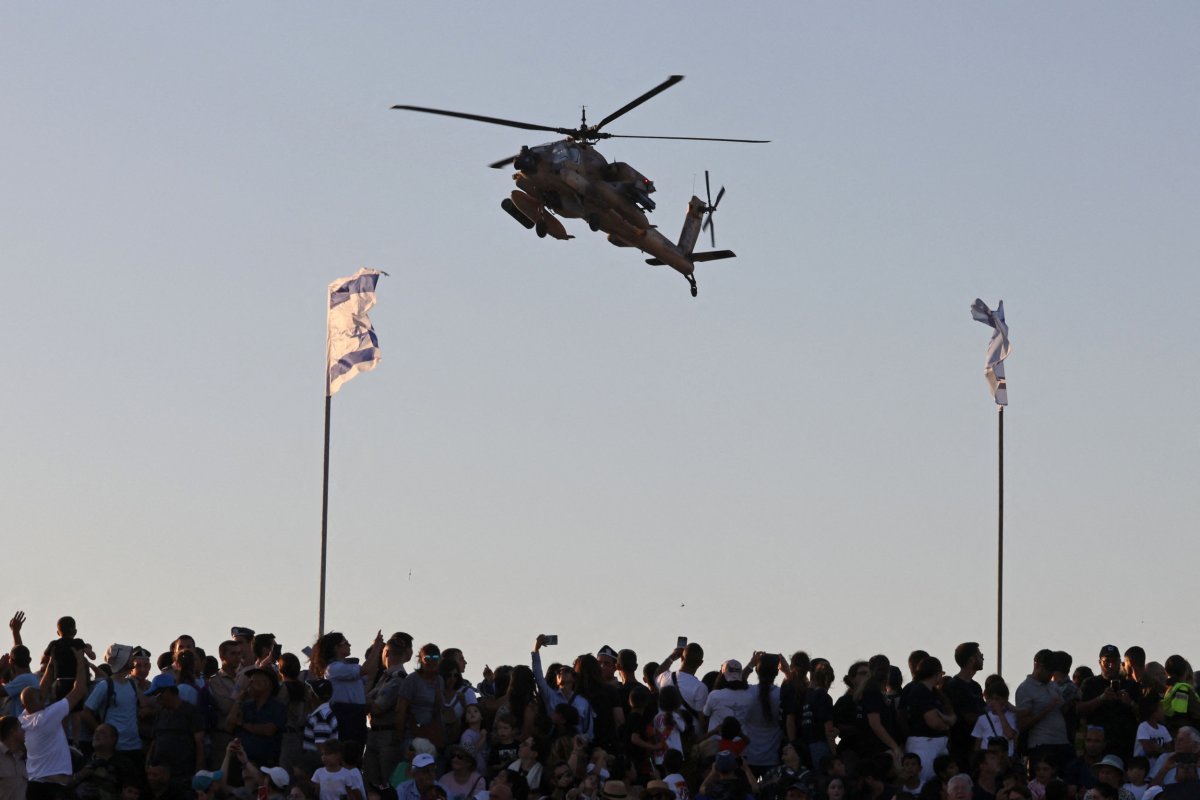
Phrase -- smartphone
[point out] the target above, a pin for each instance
(681, 641)
(276, 651)
(551, 638)
(1116, 685)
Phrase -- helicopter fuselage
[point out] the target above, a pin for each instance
(574, 180)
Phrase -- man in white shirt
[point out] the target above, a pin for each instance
(48, 754)
(691, 689)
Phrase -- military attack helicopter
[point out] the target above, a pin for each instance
(569, 178)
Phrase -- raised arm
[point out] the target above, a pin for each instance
(371, 668)
(665, 666)
(79, 690)
(535, 663)
(14, 625)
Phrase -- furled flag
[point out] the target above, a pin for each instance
(351, 346)
(998, 348)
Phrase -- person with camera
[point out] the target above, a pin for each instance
(1187, 783)
(729, 778)
(1187, 741)
(564, 691)
(1110, 701)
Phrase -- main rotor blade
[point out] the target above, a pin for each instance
(687, 138)
(720, 194)
(529, 126)
(662, 87)
(707, 188)
(502, 164)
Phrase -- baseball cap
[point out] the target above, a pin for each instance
(164, 680)
(241, 633)
(422, 760)
(1110, 651)
(607, 652)
(203, 779)
(278, 776)
(732, 670)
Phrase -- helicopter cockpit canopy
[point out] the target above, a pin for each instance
(564, 153)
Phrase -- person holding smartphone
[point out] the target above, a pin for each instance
(1110, 701)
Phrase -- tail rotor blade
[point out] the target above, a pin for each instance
(710, 208)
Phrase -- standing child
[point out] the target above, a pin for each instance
(320, 727)
(1153, 738)
(669, 724)
(333, 780)
(1139, 767)
(474, 737)
(504, 744)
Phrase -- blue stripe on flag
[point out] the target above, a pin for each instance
(352, 360)
(359, 285)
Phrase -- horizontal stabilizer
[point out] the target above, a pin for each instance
(711, 255)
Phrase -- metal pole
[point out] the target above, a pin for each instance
(324, 521)
(1000, 558)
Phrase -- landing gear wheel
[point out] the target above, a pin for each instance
(594, 222)
(540, 228)
(692, 281)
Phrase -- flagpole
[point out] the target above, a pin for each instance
(1000, 555)
(324, 519)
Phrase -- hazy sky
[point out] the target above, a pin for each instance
(560, 439)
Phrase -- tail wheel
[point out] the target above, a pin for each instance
(594, 222)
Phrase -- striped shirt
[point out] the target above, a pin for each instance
(320, 726)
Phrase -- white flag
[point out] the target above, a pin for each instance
(350, 343)
(998, 348)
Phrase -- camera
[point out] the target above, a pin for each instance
(551, 638)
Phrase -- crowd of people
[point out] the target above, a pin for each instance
(252, 721)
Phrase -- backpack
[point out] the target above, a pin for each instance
(110, 698)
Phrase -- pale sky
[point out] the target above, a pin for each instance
(559, 438)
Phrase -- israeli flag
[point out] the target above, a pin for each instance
(351, 346)
(998, 348)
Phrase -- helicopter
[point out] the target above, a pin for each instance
(569, 178)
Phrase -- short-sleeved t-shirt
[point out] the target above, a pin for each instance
(1153, 733)
(13, 688)
(763, 729)
(916, 701)
(46, 748)
(337, 785)
(263, 750)
(724, 703)
(816, 711)
(175, 737)
(1118, 719)
(62, 656)
(873, 702)
(421, 696)
(116, 703)
(1032, 697)
(989, 726)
